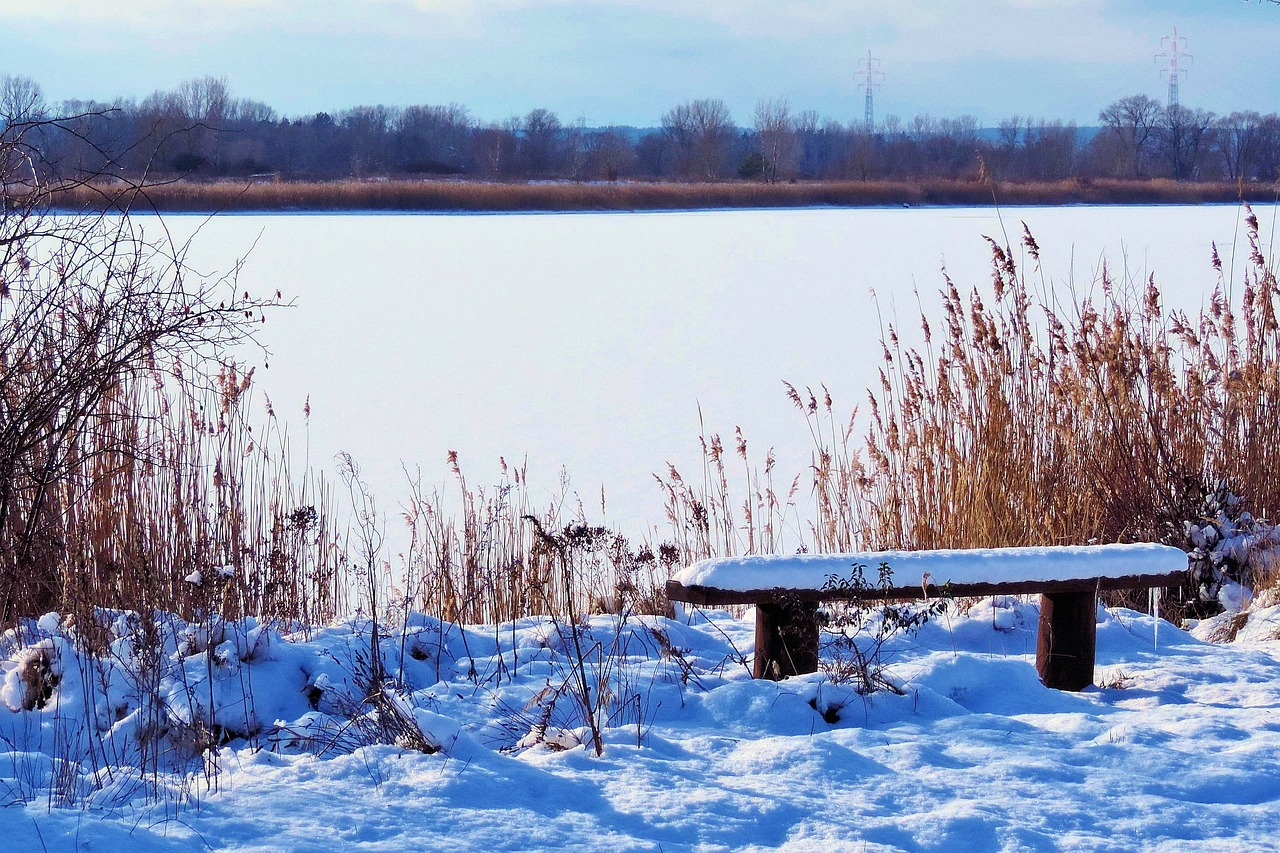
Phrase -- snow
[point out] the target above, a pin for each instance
(1177, 750)
(912, 568)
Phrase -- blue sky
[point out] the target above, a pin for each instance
(626, 61)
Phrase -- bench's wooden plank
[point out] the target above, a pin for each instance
(705, 596)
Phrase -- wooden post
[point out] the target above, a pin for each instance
(1068, 639)
(786, 639)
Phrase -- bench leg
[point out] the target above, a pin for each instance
(786, 640)
(1068, 638)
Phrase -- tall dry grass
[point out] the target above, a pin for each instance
(706, 517)
(491, 555)
(480, 195)
(1033, 414)
(179, 504)
(1053, 416)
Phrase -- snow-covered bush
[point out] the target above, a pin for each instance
(1231, 552)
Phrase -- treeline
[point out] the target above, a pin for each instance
(199, 130)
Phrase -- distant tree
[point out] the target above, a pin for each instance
(494, 148)
(540, 134)
(367, 132)
(433, 139)
(657, 154)
(776, 134)
(609, 154)
(810, 136)
(1181, 138)
(202, 106)
(1011, 132)
(1236, 138)
(1268, 149)
(860, 155)
(702, 132)
(963, 129)
(21, 101)
(1051, 149)
(751, 167)
(1132, 121)
(1007, 158)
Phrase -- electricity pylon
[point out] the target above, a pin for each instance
(871, 76)
(1174, 55)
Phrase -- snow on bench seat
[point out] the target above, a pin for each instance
(750, 580)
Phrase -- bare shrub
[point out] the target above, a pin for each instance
(130, 474)
(861, 624)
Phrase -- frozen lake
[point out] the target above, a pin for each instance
(591, 341)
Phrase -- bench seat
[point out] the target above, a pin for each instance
(787, 589)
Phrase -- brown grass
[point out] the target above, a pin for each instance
(182, 506)
(481, 555)
(1053, 417)
(1035, 414)
(477, 195)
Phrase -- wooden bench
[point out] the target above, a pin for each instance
(787, 590)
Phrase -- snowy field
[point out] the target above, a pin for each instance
(590, 341)
(1179, 751)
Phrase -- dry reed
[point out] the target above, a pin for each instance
(181, 506)
(492, 196)
(479, 555)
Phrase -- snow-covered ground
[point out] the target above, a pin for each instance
(1179, 750)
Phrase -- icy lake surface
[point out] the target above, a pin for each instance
(591, 341)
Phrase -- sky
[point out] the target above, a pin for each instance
(628, 61)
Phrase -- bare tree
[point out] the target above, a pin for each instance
(367, 130)
(21, 101)
(88, 305)
(1132, 122)
(810, 131)
(434, 138)
(776, 132)
(609, 154)
(495, 148)
(541, 139)
(1268, 149)
(1012, 131)
(1051, 149)
(701, 131)
(1237, 138)
(1180, 138)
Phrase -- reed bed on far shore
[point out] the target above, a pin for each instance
(394, 194)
